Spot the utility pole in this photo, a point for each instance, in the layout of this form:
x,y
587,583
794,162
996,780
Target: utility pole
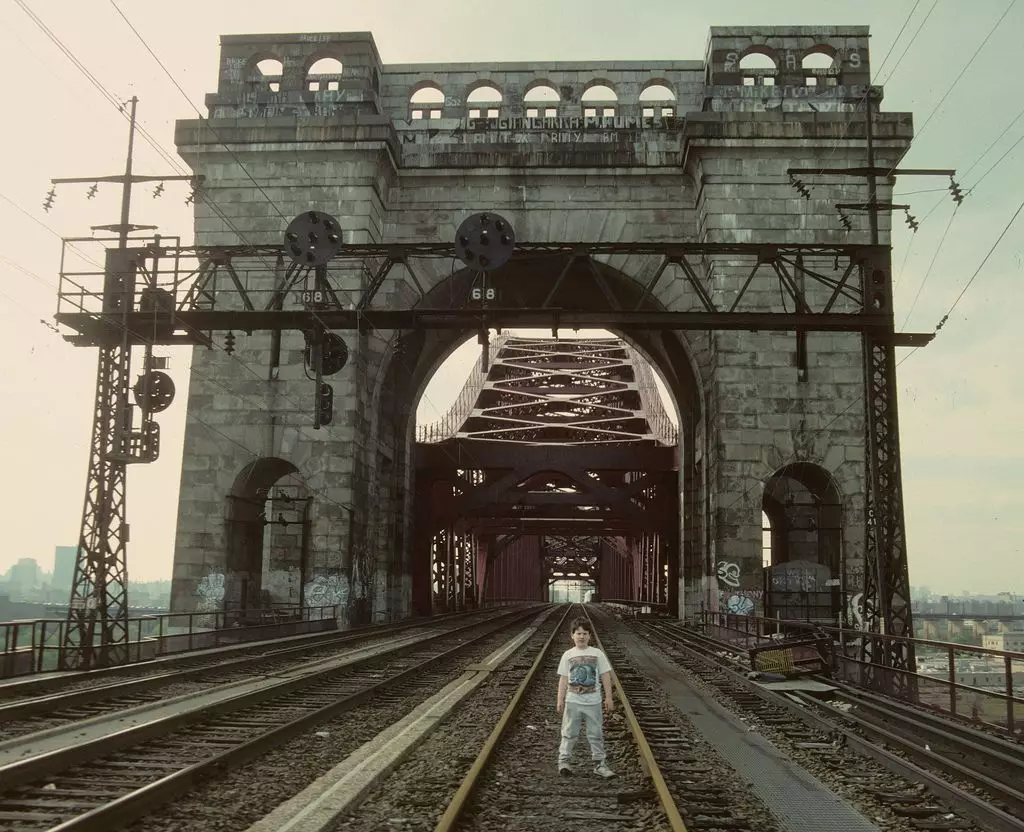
x,y
888,665
96,631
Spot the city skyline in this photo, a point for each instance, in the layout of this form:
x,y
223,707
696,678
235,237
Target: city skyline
x,y
959,396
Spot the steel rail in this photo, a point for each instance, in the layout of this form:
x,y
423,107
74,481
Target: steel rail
x,y
883,714
675,820
140,802
978,809
909,735
24,771
85,696
31,686
458,802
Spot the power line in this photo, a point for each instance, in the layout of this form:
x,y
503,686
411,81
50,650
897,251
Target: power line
x,y
899,34
204,120
963,71
981,265
995,141
912,39
935,257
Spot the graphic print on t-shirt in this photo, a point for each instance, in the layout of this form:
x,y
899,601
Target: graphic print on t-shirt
x,y
583,674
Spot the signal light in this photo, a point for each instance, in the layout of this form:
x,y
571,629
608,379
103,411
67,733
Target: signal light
x,y
325,404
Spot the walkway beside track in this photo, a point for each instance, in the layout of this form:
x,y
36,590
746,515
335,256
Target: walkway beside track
x,y
800,801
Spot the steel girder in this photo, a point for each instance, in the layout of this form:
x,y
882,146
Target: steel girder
x,y
207,288
453,570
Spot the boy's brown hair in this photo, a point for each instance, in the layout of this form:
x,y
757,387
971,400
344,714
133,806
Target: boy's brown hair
x,y
581,624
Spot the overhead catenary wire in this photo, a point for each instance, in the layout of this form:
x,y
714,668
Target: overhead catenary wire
x,y
172,161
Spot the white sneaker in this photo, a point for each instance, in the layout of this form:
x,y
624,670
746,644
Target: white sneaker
x,y
602,769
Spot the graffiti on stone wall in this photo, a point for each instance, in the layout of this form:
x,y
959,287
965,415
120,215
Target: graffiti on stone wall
x,y
326,590
210,592
729,573
740,601
855,611
739,605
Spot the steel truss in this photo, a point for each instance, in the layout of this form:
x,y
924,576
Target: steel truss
x,y
190,292
209,289
891,663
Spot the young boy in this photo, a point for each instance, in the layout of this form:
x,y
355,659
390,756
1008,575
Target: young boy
x,y
583,673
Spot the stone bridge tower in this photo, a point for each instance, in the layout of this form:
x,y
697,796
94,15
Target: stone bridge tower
x,y
650,151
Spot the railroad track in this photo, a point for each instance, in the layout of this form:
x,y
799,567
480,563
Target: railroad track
x,y
922,748
99,784
31,688
31,713
513,782
510,783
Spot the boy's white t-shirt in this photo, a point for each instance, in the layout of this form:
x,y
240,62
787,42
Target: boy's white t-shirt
x,y
584,668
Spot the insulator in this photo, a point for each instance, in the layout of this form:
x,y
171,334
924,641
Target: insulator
x,y
229,343
955,190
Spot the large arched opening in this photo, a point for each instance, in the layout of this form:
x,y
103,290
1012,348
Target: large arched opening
x,y
415,356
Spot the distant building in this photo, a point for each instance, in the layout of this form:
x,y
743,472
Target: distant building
x,y
64,569
1012,642
24,577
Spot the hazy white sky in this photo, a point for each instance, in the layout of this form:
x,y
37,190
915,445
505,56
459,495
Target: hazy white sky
x,y
961,397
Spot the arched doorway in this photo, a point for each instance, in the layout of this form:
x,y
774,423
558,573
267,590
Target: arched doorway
x,y
803,543
267,537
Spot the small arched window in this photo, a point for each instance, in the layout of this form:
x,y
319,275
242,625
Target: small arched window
x,y
484,102
426,103
658,100
541,101
325,74
766,540
758,70
819,69
269,72
599,100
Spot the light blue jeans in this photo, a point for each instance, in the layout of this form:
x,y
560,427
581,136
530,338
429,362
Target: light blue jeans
x,y
592,718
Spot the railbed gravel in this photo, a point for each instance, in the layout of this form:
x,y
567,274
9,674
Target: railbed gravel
x,y
211,678
9,694
845,772
240,797
711,769
520,789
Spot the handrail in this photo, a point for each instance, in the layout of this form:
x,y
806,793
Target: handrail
x,y
448,425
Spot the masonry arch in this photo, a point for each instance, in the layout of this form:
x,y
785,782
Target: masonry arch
x,y
414,356
483,100
803,508
599,98
267,523
265,71
541,99
657,100
426,101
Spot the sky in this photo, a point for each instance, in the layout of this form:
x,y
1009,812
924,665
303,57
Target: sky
x,y
960,398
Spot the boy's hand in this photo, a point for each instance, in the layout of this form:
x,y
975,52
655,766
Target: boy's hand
x,y
559,706
609,704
